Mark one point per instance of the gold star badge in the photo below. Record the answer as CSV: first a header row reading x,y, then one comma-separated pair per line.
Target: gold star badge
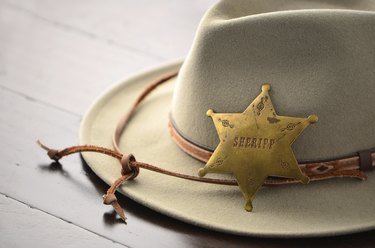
x,y
256,144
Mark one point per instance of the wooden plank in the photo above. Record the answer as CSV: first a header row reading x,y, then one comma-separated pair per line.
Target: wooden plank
x,y
73,193
70,190
57,66
55,58
161,29
22,226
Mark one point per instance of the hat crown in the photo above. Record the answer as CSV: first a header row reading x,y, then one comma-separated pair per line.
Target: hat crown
x,y
317,61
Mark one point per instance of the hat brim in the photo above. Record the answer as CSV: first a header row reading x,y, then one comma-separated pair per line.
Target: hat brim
x,y
325,208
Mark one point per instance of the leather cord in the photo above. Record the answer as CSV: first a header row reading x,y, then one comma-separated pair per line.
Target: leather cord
x,y
130,167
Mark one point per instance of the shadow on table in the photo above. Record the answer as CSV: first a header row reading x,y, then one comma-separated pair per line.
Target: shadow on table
x,y
200,237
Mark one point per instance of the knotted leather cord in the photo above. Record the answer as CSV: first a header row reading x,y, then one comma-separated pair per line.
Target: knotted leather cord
x,y
130,167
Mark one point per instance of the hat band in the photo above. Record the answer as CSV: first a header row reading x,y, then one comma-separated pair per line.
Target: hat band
x,y
350,166
346,167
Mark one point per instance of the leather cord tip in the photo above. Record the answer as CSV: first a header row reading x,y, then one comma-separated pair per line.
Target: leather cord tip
x,y
111,199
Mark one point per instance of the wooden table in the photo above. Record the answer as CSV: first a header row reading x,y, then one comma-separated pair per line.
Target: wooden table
x,y
56,57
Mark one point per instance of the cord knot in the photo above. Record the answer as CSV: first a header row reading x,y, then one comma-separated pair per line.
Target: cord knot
x,y
127,167
52,153
111,199
108,199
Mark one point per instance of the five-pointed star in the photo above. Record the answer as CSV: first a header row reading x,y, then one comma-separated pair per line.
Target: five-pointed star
x,y
256,144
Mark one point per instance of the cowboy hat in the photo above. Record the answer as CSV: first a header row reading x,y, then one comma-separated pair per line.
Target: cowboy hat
x,y
317,57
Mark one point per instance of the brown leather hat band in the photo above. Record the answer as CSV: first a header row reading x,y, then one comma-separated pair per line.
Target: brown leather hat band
x,y
317,170
187,146
366,160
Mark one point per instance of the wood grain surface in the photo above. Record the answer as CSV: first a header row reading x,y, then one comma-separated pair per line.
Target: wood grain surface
x,y
56,57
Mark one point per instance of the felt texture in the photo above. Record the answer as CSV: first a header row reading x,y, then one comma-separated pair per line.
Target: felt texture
x,y
317,61
318,57
324,208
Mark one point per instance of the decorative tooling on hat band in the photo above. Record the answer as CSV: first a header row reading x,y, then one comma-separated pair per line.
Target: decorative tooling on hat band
x,y
243,142
348,166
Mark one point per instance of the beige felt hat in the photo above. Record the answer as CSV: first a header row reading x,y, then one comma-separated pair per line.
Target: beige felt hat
x,y
318,57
